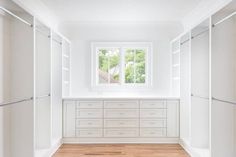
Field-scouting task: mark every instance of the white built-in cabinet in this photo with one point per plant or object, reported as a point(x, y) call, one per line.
point(207, 86)
point(121, 120)
point(31, 77)
point(223, 86)
point(42, 86)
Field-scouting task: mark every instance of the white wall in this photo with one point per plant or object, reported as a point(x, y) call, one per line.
point(82, 34)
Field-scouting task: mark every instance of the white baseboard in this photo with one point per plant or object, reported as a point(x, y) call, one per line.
point(49, 152)
point(120, 140)
point(194, 152)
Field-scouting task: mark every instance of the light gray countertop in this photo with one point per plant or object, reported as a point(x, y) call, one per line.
point(120, 97)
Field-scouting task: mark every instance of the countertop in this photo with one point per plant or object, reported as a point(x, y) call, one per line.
point(120, 97)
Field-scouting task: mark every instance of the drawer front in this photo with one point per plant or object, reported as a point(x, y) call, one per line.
point(89, 104)
point(121, 113)
point(153, 132)
point(153, 104)
point(89, 113)
point(121, 104)
point(152, 123)
point(121, 132)
point(153, 113)
point(125, 123)
point(89, 123)
point(89, 133)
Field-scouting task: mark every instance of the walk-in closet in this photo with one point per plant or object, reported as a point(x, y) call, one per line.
point(136, 78)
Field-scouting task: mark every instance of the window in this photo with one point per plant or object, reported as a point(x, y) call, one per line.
point(121, 64)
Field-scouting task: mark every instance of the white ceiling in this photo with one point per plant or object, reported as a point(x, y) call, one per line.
point(121, 10)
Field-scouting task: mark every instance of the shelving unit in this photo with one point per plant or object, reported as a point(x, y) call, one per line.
point(66, 68)
point(31, 72)
point(175, 68)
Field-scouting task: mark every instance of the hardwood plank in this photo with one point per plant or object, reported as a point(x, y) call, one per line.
point(121, 150)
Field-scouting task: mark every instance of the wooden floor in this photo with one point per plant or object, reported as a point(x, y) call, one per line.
point(121, 150)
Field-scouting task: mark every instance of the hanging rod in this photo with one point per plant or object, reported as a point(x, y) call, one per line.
point(185, 41)
point(192, 37)
point(224, 19)
point(15, 16)
point(49, 36)
point(200, 33)
point(43, 33)
point(56, 41)
point(197, 96)
point(43, 96)
point(15, 102)
point(225, 101)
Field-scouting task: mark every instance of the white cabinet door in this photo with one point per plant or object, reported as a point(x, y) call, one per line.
point(173, 118)
point(69, 118)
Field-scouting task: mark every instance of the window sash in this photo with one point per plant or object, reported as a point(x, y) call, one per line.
point(122, 47)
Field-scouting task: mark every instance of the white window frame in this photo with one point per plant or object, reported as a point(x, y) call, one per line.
point(122, 45)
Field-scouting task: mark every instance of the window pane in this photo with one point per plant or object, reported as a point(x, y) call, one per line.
point(114, 65)
point(103, 66)
point(140, 66)
point(129, 65)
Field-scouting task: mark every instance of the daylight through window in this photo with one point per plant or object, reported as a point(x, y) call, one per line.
point(122, 64)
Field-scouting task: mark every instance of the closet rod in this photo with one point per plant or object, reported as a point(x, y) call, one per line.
point(56, 41)
point(43, 96)
point(15, 16)
point(15, 102)
point(224, 19)
point(49, 36)
point(197, 96)
point(43, 33)
point(192, 37)
point(185, 41)
point(200, 33)
point(225, 101)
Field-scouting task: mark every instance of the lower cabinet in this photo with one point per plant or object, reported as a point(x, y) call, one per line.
point(124, 119)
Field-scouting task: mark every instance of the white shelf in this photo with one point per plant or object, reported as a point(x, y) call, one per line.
point(176, 51)
point(176, 78)
point(66, 56)
point(66, 82)
point(175, 65)
point(65, 69)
